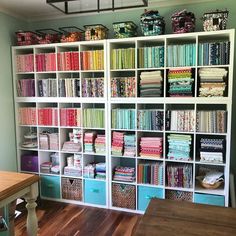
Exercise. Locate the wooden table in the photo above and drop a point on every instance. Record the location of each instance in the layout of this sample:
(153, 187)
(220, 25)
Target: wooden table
(15, 185)
(169, 218)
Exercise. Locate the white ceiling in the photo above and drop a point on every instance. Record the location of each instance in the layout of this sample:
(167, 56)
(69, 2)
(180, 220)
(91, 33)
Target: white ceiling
(32, 10)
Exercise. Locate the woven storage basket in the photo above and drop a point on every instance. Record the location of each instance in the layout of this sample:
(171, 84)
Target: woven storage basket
(72, 189)
(179, 195)
(124, 196)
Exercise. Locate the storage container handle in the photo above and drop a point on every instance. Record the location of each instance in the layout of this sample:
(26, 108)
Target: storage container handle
(50, 186)
(94, 190)
(148, 197)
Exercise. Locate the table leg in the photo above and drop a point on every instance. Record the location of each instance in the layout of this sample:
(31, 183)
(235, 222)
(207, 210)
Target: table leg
(32, 221)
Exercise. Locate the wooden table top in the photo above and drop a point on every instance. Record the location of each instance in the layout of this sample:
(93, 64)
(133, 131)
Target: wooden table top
(13, 182)
(171, 218)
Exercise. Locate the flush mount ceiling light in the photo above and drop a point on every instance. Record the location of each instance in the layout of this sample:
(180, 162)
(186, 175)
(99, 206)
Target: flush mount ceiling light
(90, 6)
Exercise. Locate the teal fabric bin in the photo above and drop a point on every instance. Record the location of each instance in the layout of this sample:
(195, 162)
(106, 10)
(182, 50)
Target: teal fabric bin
(50, 186)
(209, 199)
(95, 192)
(145, 194)
(5, 216)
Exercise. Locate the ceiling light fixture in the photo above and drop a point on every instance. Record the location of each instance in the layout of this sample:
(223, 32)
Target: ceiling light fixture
(86, 6)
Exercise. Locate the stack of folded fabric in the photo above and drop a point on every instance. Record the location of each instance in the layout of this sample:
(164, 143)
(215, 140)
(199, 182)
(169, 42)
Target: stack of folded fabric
(89, 171)
(211, 150)
(151, 147)
(129, 145)
(100, 144)
(89, 138)
(179, 147)
(126, 174)
(100, 170)
(151, 84)
(212, 82)
(117, 143)
(181, 82)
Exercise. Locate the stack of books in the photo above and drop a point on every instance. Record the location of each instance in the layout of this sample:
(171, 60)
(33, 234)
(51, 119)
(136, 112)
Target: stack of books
(47, 87)
(70, 117)
(24, 63)
(150, 84)
(46, 62)
(92, 60)
(48, 116)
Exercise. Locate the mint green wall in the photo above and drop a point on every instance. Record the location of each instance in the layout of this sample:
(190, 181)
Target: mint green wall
(8, 26)
(134, 15)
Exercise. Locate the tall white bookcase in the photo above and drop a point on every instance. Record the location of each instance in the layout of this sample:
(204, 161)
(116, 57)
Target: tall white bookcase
(137, 193)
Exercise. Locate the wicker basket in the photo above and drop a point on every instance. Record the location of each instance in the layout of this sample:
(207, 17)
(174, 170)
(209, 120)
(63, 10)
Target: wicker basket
(208, 186)
(72, 189)
(124, 196)
(179, 195)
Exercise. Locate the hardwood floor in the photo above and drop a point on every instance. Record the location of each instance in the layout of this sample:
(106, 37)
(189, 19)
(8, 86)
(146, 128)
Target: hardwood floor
(60, 219)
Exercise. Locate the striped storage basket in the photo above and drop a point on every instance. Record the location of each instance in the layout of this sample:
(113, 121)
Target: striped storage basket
(179, 195)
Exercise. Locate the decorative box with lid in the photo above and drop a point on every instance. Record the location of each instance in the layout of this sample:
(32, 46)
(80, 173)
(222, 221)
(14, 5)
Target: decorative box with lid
(216, 20)
(152, 23)
(183, 22)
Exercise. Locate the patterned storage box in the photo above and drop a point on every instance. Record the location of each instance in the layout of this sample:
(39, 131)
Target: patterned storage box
(183, 22)
(71, 34)
(72, 189)
(26, 38)
(152, 23)
(124, 29)
(216, 20)
(179, 195)
(124, 196)
(49, 36)
(29, 162)
(95, 32)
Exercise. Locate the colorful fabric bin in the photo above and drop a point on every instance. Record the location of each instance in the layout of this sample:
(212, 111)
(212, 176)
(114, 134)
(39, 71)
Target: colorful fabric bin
(49, 36)
(152, 23)
(71, 34)
(95, 32)
(183, 22)
(26, 38)
(125, 29)
(216, 20)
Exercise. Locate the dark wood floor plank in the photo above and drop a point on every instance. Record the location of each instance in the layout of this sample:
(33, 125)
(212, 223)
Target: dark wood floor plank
(61, 219)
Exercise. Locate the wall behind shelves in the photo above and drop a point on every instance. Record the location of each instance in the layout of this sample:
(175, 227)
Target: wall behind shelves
(8, 26)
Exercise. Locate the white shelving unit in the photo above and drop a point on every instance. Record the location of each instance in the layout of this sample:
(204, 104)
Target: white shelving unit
(102, 193)
(143, 192)
(81, 190)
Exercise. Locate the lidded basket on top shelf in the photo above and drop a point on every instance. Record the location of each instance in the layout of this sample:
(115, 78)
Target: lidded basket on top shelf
(26, 38)
(216, 20)
(71, 34)
(49, 36)
(124, 29)
(95, 32)
(183, 22)
(152, 23)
